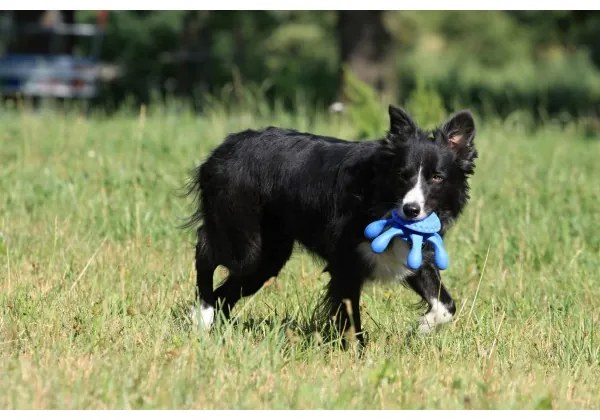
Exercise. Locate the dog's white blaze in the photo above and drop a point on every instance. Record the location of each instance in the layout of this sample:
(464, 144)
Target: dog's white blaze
(437, 315)
(416, 195)
(203, 315)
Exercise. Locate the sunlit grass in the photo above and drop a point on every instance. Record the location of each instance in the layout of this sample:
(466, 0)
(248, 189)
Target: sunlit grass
(96, 278)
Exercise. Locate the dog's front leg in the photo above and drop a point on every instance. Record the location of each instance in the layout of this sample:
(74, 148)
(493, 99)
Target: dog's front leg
(343, 299)
(427, 282)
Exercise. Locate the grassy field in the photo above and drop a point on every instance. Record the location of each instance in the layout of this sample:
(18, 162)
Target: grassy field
(95, 279)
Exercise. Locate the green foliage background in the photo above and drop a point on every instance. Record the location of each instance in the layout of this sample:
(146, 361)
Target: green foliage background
(493, 61)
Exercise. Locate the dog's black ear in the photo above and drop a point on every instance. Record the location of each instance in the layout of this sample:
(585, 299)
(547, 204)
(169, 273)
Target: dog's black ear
(400, 121)
(459, 132)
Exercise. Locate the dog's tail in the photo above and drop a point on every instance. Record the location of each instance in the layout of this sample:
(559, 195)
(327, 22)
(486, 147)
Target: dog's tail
(193, 189)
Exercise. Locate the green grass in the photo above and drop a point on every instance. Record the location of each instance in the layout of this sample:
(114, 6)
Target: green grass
(95, 278)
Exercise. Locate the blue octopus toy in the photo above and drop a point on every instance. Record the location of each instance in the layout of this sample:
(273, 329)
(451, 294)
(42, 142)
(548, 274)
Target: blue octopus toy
(415, 232)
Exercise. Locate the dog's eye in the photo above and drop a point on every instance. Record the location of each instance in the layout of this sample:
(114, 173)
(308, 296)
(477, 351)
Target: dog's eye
(437, 178)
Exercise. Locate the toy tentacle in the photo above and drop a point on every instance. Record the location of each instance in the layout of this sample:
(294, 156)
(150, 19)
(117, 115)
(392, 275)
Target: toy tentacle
(381, 242)
(441, 256)
(415, 256)
(375, 228)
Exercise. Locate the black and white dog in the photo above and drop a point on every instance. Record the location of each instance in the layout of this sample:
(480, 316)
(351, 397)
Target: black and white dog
(260, 191)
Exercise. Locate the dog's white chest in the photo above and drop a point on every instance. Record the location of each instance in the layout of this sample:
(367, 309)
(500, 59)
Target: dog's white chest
(391, 264)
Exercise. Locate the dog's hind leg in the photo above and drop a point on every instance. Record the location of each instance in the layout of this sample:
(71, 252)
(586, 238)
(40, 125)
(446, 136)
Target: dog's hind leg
(273, 256)
(204, 312)
(427, 283)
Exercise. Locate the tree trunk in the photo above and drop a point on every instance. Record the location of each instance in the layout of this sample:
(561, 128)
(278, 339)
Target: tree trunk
(364, 48)
(194, 65)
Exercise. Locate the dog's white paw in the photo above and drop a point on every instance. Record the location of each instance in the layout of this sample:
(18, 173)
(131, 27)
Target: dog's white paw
(437, 315)
(202, 315)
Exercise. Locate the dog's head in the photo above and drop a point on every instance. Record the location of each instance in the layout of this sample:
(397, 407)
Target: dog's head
(429, 169)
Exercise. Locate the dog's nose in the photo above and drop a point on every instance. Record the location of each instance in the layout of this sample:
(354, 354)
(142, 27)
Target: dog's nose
(411, 210)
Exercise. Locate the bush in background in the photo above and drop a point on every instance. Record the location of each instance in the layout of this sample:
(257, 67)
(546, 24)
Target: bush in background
(492, 61)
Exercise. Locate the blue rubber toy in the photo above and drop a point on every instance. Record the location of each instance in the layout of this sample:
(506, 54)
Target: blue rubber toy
(415, 232)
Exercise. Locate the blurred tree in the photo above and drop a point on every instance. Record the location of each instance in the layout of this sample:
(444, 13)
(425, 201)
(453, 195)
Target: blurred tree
(137, 40)
(564, 27)
(300, 51)
(498, 61)
(492, 60)
(365, 47)
(190, 61)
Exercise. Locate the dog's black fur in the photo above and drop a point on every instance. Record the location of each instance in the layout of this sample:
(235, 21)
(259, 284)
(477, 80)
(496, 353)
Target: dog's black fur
(260, 191)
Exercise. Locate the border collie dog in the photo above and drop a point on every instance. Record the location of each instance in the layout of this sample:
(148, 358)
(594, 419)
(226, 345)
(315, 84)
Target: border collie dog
(260, 191)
